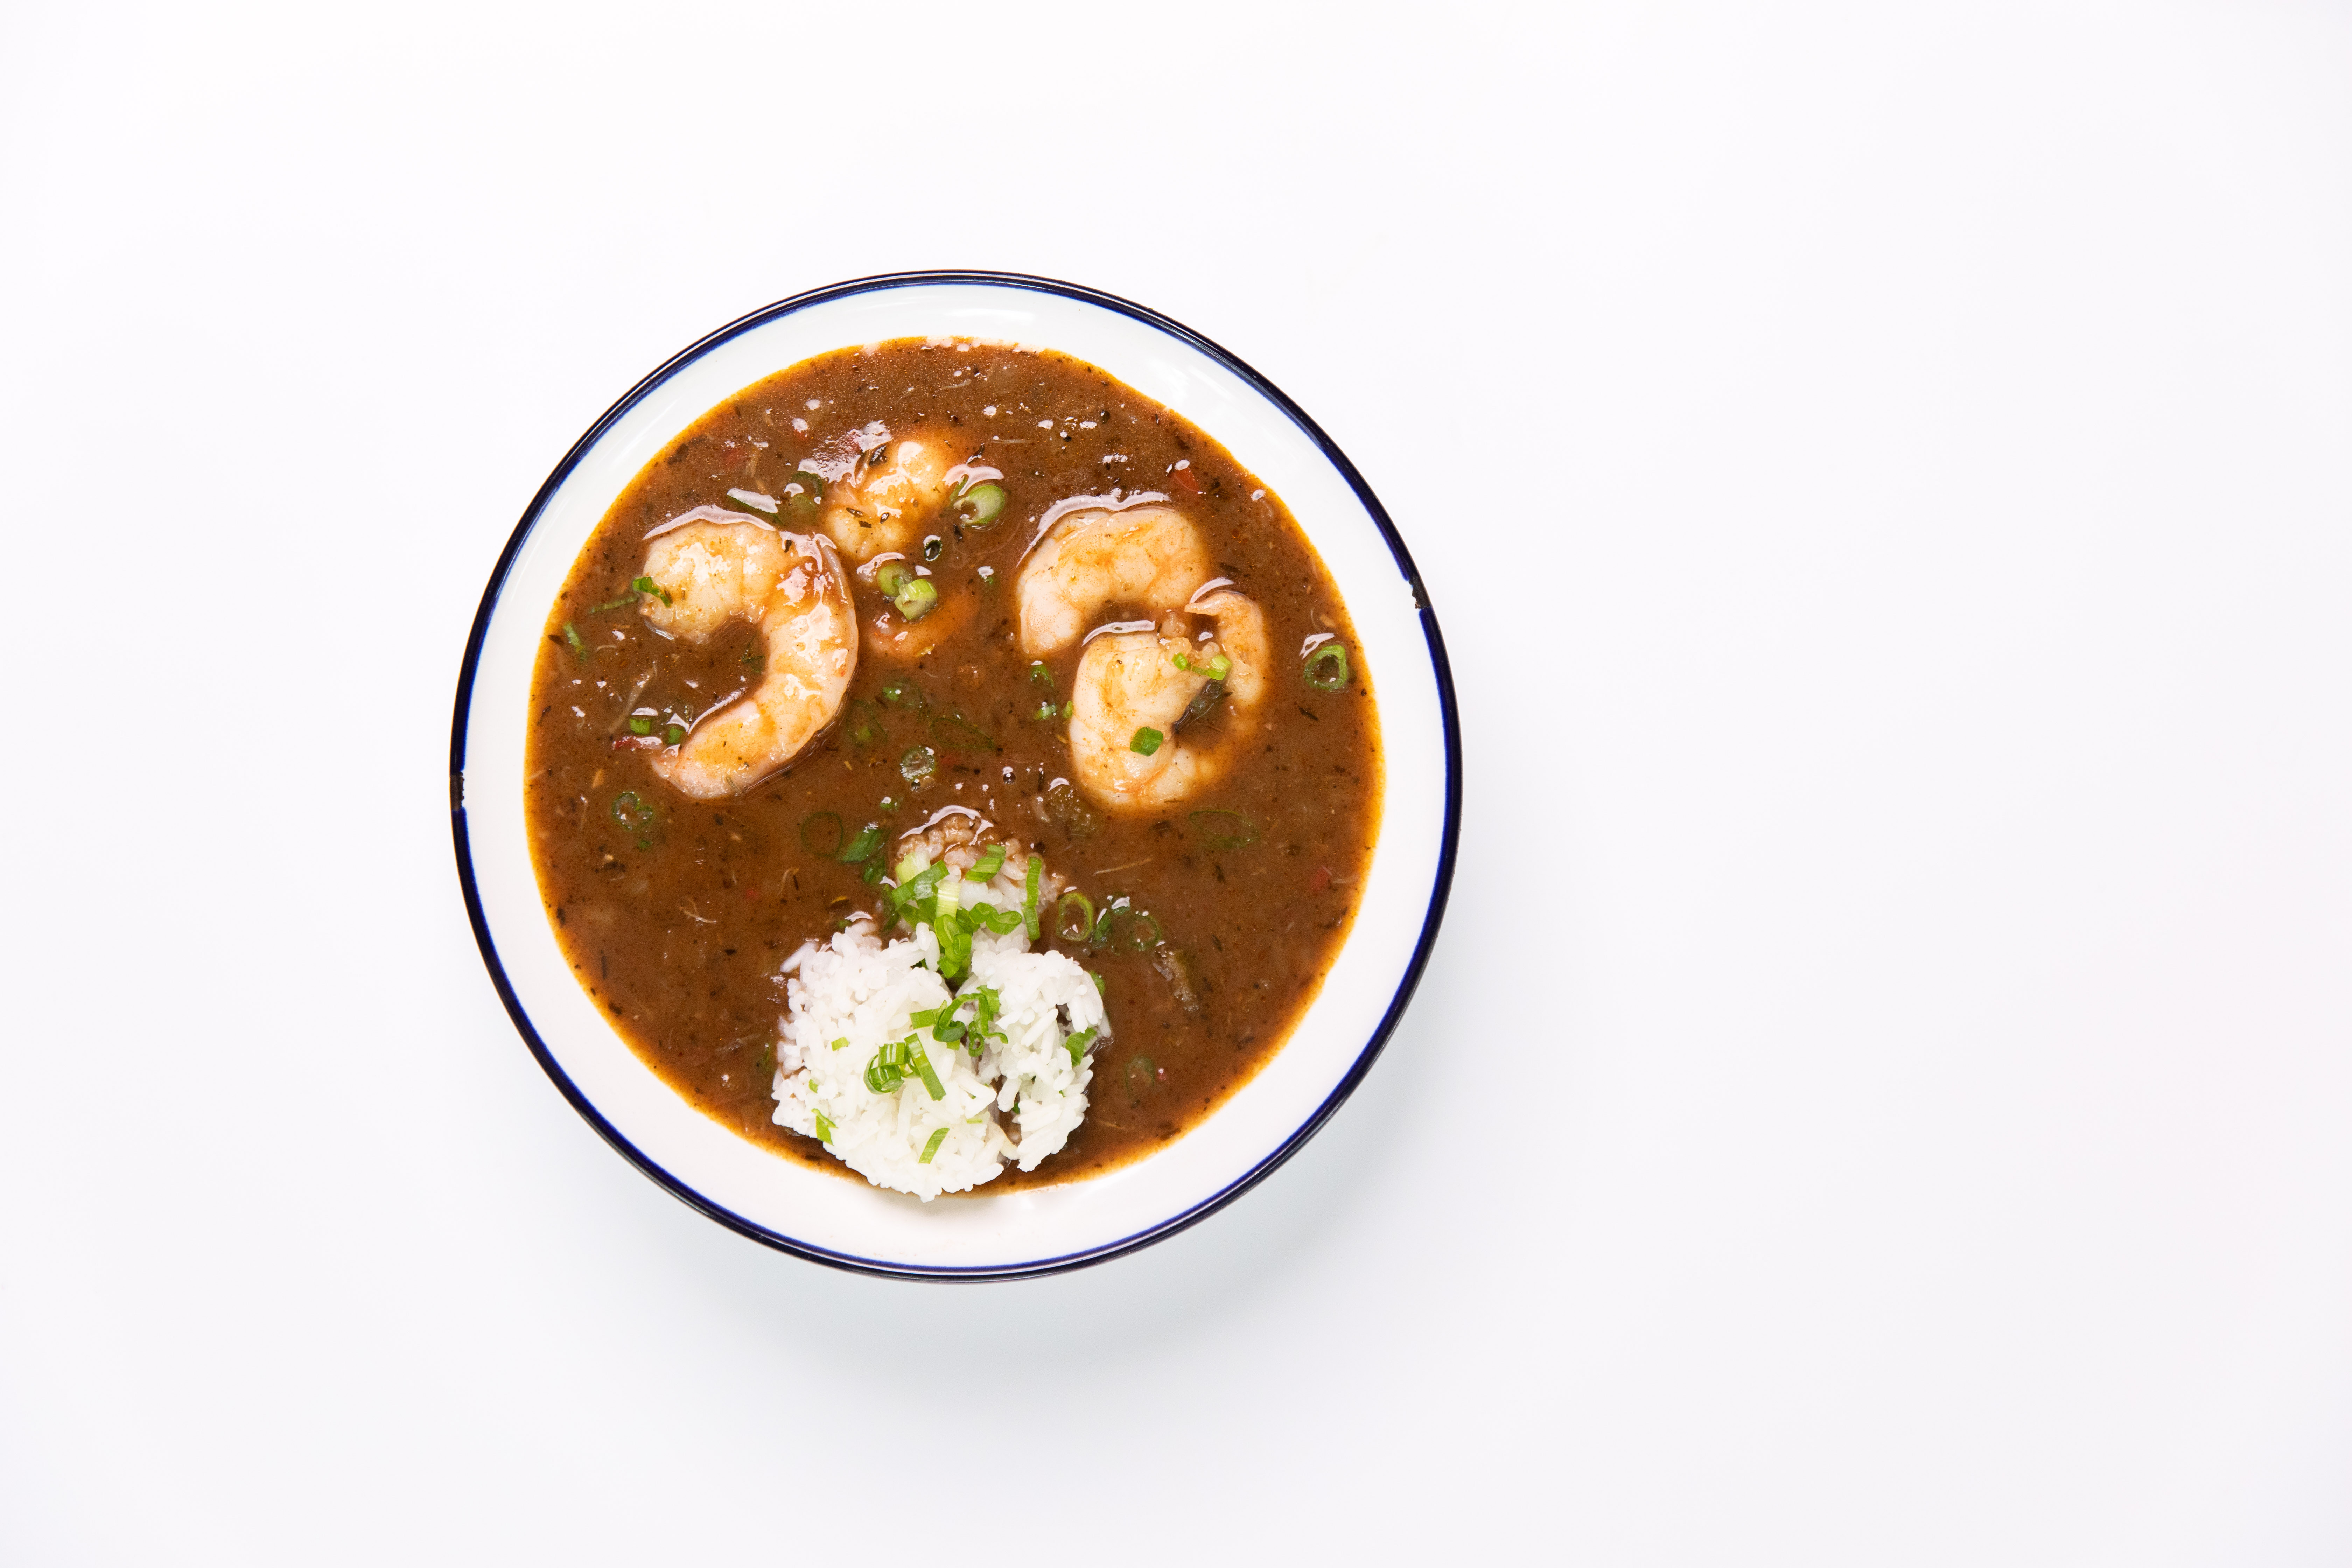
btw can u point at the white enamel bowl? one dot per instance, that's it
(846, 1222)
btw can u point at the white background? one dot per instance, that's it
(1886, 476)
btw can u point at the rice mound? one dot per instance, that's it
(847, 998)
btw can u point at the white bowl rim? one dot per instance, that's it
(1441, 885)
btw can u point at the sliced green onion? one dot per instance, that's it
(1029, 896)
(933, 546)
(1041, 675)
(953, 732)
(920, 763)
(981, 504)
(841, 1044)
(1098, 985)
(821, 833)
(811, 484)
(893, 576)
(987, 866)
(1004, 923)
(823, 1129)
(931, 1085)
(579, 649)
(1147, 741)
(1181, 661)
(938, 1136)
(1047, 713)
(869, 837)
(1224, 829)
(865, 723)
(639, 725)
(873, 872)
(1137, 942)
(902, 693)
(1078, 930)
(1204, 702)
(1077, 1045)
(753, 656)
(632, 813)
(674, 735)
(628, 598)
(1326, 668)
(916, 599)
(647, 585)
(1218, 667)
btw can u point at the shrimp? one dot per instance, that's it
(793, 587)
(1129, 682)
(882, 505)
(1146, 557)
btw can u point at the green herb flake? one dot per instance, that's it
(938, 1136)
(1147, 741)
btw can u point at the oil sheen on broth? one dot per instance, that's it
(678, 875)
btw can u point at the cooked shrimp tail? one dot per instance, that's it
(794, 588)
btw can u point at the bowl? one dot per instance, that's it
(817, 1214)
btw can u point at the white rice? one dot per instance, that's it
(849, 997)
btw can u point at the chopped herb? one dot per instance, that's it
(1326, 668)
(931, 1085)
(916, 599)
(938, 1136)
(632, 813)
(873, 871)
(1147, 741)
(979, 503)
(987, 866)
(639, 725)
(868, 840)
(1029, 896)
(624, 601)
(902, 693)
(823, 1129)
(821, 833)
(647, 585)
(1218, 667)
(1224, 829)
(842, 1043)
(890, 1066)
(953, 732)
(1204, 702)
(1039, 675)
(571, 636)
(1077, 1044)
(674, 735)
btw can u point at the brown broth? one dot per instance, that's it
(678, 929)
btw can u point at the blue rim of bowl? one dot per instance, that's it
(1439, 889)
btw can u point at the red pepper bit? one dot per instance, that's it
(1187, 479)
(1321, 881)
